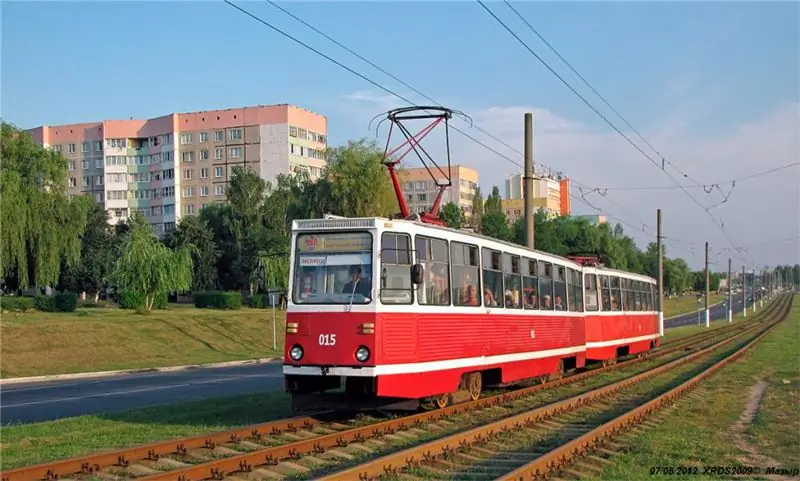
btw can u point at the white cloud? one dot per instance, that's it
(757, 210)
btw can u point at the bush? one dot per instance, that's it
(16, 303)
(130, 300)
(66, 301)
(45, 303)
(218, 300)
(259, 301)
(92, 304)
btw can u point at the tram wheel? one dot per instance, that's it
(475, 386)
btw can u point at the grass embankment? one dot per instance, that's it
(41, 442)
(686, 304)
(710, 428)
(41, 343)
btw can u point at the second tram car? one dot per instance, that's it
(397, 312)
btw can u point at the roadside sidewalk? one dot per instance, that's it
(102, 374)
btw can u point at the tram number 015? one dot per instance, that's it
(327, 339)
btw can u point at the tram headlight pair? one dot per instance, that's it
(362, 354)
(296, 353)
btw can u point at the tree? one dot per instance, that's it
(98, 251)
(452, 215)
(494, 222)
(194, 231)
(476, 220)
(147, 267)
(356, 183)
(41, 227)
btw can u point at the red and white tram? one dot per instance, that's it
(621, 314)
(395, 312)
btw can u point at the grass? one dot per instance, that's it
(680, 332)
(41, 343)
(699, 431)
(25, 445)
(686, 304)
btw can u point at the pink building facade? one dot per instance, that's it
(175, 165)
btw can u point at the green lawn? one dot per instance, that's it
(684, 304)
(41, 343)
(707, 428)
(25, 445)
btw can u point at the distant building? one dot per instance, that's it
(421, 190)
(550, 195)
(593, 219)
(174, 165)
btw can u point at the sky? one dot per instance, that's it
(713, 87)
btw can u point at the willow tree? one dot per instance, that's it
(41, 227)
(146, 267)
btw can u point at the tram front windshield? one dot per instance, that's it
(333, 268)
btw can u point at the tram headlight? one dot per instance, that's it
(362, 354)
(296, 353)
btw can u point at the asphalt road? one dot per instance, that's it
(45, 401)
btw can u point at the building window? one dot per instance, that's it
(204, 154)
(236, 152)
(187, 174)
(86, 182)
(219, 189)
(187, 156)
(71, 165)
(73, 182)
(188, 192)
(218, 172)
(98, 180)
(186, 139)
(292, 131)
(116, 143)
(204, 173)
(56, 148)
(85, 147)
(85, 164)
(188, 209)
(204, 191)
(71, 148)
(218, 154)
(219, 136)
(235, 134)
(203, 136)
(98, 145)
(422, 197)
(98, 163)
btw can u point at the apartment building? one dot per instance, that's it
(175, 165)
(421, 190)
(550, 194)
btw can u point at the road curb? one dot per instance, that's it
(102, 374)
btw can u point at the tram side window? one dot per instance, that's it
(637, 295)
(466, 274)
(653, 297)
(559, 288)
(434, 256)
(647, 303)
(577, 291)
(616, 294)
(546, 286)
(396, 287)
(630, 303)
(530, 283)
(605, 293)
(634, 295)
(590, 292)
(512, 280)
(492, 278)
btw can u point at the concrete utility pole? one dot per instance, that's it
(527, 183)
(660, 279)
(744, 291)
(754, 290)
(708, 290)
(730, 292)
(763, 291)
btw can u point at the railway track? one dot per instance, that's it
(543, 442)
(320, 439)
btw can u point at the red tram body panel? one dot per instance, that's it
(390, 310)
